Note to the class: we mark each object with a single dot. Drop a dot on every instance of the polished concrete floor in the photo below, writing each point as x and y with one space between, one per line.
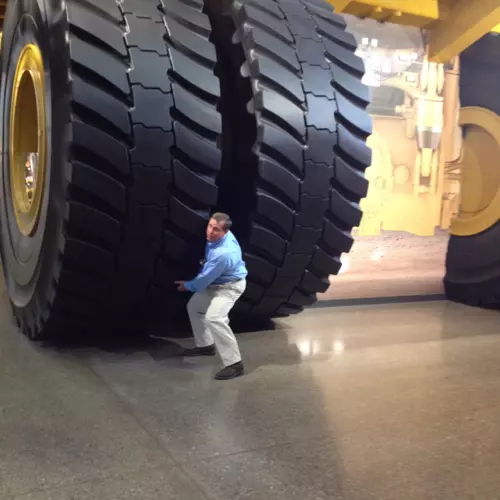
392 402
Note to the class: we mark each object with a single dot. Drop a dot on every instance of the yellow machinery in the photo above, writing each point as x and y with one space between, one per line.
125 123
411 188
423 195
452 25
453 184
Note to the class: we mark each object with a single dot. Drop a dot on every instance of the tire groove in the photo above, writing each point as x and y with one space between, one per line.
85 154
339 37
100 11
91 64
278 88
265 221
275 192
90 116
88 75
195 166
198 5
339 62
254 23
357 101
91 39
277 14
342 153
351 126
176 15
85 177
279 121
272 153
265 51
192 88
194 126
177 44
76 231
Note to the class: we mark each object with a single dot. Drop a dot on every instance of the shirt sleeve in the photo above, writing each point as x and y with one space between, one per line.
210 272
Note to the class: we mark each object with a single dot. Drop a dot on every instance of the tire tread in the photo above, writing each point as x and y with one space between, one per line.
139 141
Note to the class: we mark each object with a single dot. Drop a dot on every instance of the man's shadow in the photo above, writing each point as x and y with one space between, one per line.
179 335
166 341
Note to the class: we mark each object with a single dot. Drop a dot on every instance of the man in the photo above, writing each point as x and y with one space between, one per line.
217 287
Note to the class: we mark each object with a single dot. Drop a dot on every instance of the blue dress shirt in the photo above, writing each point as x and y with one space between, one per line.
223 264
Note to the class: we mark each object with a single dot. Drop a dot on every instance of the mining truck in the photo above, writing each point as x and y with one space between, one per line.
414 176
126 123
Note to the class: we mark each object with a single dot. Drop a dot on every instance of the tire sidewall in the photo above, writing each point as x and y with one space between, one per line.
30 263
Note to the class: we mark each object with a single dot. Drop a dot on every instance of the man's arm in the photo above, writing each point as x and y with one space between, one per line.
210 272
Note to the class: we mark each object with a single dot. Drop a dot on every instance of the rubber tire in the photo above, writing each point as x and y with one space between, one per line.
133 131
473 262
294 104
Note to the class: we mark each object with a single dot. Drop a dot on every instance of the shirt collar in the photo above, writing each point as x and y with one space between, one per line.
217 243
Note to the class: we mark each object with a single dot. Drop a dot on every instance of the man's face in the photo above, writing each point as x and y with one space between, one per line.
215 231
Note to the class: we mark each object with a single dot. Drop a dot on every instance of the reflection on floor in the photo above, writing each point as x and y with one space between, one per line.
393 264
387 402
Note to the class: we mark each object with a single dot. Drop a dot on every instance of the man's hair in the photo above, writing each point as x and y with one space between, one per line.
224 218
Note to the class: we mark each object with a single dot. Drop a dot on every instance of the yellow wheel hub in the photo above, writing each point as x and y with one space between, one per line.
480 178
27 141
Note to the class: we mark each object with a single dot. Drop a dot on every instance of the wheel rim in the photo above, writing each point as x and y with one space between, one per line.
27 141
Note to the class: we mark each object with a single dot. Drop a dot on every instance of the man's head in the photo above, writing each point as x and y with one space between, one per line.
218 226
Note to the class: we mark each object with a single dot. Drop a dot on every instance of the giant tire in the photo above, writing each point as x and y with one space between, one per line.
133 157
295 127
473 262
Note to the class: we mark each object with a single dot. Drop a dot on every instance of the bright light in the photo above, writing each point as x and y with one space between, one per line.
374 42
344 259
305 347
338 347
365 41
377 254
309 347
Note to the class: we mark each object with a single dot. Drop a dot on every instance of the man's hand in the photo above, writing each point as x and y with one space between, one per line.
180 286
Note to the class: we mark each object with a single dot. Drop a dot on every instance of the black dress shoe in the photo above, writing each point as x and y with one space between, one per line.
232 371
199 351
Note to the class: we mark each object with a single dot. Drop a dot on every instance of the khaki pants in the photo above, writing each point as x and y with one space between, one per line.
208 312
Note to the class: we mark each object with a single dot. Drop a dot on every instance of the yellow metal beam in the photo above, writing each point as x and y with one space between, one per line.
469 21
408 12
453 25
